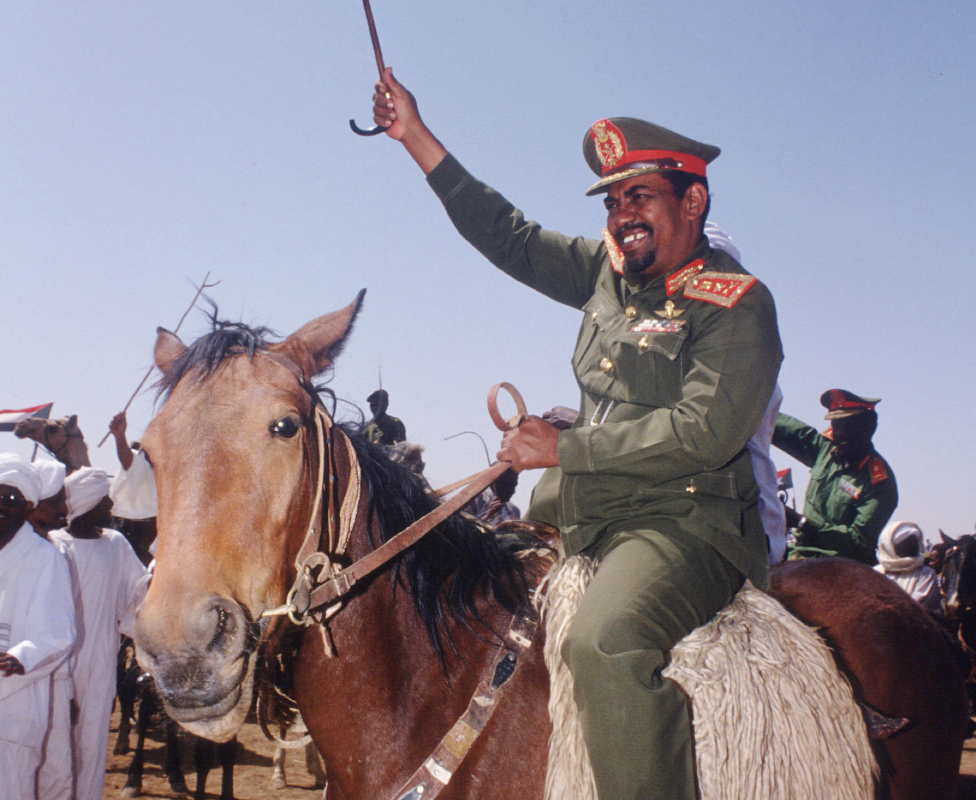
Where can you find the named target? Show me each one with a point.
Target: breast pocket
(649, 366)
(591, 359)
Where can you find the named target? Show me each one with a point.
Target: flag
(10, 417)
(784, 480)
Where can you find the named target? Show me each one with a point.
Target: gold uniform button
(631, 312)
(606, 365)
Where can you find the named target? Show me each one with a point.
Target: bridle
(319, 582)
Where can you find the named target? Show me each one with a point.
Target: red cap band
(683, 161)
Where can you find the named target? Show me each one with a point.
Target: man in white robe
(901, 558)
(56, 777)
(37, 630)
(110, 583)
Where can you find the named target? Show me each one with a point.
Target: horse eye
(286, 428)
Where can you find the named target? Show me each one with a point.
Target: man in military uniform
(382, 428)
(852, 492)
(676, 359)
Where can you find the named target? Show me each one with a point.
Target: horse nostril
(226, 628)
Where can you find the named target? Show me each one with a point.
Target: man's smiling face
(655, 230)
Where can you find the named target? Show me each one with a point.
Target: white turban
(896, 533)
(16, 472)
(720, 240)
(84, 489)
(51, 474)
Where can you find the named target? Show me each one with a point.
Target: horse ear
(947, 539)
(71, 422)
(168, 348)
(316, 344)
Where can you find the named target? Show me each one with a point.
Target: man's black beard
(639, 265)
(636, 265)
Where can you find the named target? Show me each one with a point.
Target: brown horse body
(235, 461)
(898, 661)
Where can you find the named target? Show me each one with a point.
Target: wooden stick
(374, 37)
(196, 297)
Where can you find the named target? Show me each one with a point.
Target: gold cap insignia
(609, 142)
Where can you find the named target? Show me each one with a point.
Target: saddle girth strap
(438, 768)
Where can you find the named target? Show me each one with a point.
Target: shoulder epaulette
(721, 288)
(878, 470)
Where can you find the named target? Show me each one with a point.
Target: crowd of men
(70, 586)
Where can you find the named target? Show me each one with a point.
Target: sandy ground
(252, 775)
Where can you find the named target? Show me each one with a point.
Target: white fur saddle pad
(773, 717)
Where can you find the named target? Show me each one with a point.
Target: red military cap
(623, 147)
(842, 403)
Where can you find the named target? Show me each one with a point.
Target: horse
(61, 437)
(957, 581)
(391, 673)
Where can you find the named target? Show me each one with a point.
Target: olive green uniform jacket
(667, 405)
(850, 505)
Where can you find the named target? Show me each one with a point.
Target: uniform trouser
(650, 590)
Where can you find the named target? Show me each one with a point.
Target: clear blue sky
(143, 144)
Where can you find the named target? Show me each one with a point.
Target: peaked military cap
(623, 147)
(841, 403)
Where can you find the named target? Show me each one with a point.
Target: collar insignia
(683, 275)
(613, 250)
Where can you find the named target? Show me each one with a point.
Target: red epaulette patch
(721, 288)
(683, 275)
(878, 471)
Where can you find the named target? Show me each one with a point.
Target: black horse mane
(202, 358)
(448, 569)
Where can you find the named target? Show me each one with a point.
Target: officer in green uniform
(677, 358)
(852, 492)
(382, 428)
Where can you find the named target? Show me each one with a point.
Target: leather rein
(319, 583)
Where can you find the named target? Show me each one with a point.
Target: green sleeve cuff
(575, 451)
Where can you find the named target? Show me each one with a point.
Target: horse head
(958, 578)
(234, 454)
(61, 437)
